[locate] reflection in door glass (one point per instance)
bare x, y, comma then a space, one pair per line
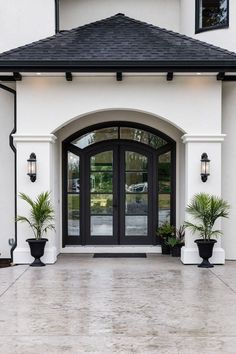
135, 161
101, 204
136, 182
142, 136
101, 225
136, 204
164, 172
96, 136
73, 214
101, 182
73, 183
164, 208
102, 162
136, 225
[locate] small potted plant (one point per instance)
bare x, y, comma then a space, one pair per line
40, 221
177, 241
164, 232
206, 209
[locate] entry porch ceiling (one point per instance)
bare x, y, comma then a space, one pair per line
118, 44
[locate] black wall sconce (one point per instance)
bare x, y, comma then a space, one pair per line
205, 167
32, 164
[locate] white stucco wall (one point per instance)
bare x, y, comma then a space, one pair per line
163, 13
25, 21
60, 107
228, 167
225, 38
195, 101
7, 172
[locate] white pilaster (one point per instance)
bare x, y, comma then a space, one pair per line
43, 147
195, 145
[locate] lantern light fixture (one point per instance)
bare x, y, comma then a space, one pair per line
205, 167
32, 167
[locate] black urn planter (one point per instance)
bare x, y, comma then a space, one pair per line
165, 249
205, 248
37, 250
176, 250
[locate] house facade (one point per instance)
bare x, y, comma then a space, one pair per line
117, 102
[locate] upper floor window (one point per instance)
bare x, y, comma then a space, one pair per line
211, 14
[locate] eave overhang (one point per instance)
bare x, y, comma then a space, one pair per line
118, 66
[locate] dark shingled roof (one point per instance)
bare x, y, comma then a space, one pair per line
118, 42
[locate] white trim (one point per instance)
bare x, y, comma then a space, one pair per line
191, 256
49, 138
218, 138
111, 249
22, 255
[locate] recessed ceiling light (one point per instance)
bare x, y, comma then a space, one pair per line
38, 74
199, 74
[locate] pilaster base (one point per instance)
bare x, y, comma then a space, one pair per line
23, 256
191, 256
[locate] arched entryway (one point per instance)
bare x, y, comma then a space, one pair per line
118, 184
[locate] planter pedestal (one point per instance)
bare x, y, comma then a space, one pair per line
37, 250
205, 252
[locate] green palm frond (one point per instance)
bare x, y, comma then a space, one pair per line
41, 214
206, 209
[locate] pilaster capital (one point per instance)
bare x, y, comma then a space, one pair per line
206, 138
47, 138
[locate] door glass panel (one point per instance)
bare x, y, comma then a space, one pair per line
96, 136
164, 187
136, 225
164, 202
73, 200
101, 182
101, 194
73, 208
136, 182
142, 136
73, 173
101, 203
136, 196
164, 172
101, 225
102, 162
136, 204
135, 161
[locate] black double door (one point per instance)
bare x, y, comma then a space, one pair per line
118, 195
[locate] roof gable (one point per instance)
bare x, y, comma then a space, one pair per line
118, 40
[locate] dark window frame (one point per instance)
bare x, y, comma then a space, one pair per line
199, 29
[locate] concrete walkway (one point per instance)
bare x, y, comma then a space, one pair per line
86, 305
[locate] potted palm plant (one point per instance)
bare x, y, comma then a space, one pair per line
40, 221
164, 232
206, 209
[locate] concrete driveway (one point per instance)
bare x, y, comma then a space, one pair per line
87, 305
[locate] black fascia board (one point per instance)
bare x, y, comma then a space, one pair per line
7, 78
118, 66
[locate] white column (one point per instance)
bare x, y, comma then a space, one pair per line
195, 145
42, 146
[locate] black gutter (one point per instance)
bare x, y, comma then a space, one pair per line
117, 66
8, 89
57, 17
7, 78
